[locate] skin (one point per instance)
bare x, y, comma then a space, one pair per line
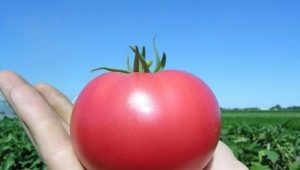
46, 112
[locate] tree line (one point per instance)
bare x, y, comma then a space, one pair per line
276, 107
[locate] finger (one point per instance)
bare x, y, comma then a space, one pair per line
59, 103
57, 100
54, 143
223, 150
209, 164
224, 159
44, 125
7, 78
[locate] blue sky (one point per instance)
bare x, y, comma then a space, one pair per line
248, 52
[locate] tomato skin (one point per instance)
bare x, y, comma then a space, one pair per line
165, 120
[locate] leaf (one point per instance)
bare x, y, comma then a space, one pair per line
271, 155
163, 61
8, 164
241, 139
294, 166
158, 62
110, 69
128, 65
140, 63
258, 166
16, 151
144, 64
136, 65
149, 63
144, 52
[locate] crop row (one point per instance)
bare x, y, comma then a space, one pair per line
259, 146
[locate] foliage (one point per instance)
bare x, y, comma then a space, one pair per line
264, 143
290, 119
16, 151
275, 108
264, 147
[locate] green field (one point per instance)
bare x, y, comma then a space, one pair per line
264, 140
289, 119
261, 140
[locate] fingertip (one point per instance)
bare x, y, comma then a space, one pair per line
46, 89
9, 76
8, 81
41, 86
56, 99
7, 73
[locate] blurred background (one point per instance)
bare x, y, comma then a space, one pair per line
248, 52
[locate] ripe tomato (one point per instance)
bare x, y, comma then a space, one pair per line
145, 121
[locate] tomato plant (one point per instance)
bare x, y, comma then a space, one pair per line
135, 119
264, 146
16, 151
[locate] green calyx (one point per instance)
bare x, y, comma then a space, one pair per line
140, 64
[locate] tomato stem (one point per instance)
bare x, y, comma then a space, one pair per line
128, 65
110, 69
140, 63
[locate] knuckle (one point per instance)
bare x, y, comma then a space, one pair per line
41, 86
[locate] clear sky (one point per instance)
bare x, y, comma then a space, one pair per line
248, 52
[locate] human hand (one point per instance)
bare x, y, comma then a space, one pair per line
224, 159
46, 112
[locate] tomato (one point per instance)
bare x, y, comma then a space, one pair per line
144, 121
